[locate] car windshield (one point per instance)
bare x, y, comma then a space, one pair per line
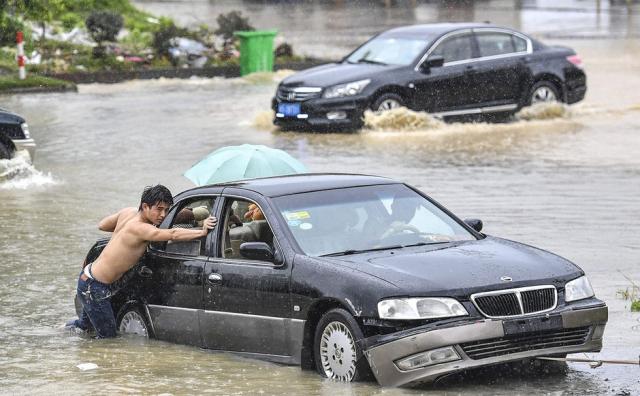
389, 51
352, 220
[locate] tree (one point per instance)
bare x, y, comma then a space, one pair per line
103, 26
232, 22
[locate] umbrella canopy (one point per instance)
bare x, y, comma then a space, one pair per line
243, 162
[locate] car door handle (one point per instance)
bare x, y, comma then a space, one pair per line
470, 69
145, 272
215, 279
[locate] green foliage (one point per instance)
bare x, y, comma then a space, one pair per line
635, 306
8, 27
104, 26
32, 81
232, 22
71, 20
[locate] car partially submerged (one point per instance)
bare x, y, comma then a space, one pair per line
14, 137
352, 275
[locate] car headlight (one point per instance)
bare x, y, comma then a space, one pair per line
349, 89
578, 289
420, 308
25, 130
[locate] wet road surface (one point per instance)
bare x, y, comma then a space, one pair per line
569, 184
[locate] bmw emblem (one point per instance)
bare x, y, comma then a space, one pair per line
506, 278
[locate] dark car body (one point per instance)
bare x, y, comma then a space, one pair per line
271, 307
14, 136
489, 77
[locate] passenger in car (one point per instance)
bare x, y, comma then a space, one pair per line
132, 231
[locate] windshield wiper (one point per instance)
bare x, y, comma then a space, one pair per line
373, 62
355, 251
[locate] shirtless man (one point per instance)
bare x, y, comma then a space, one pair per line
132, 229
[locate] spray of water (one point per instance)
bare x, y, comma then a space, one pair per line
18, 173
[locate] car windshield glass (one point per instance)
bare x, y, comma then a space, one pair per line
353, 220
389, 51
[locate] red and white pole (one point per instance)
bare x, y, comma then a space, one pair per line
22, 74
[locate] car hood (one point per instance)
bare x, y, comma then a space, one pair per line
336, 73
9, 117
463, 268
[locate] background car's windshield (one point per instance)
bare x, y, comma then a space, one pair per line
362, 218
389, 51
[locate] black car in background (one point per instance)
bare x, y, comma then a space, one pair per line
352, 274
14, 136
450, 69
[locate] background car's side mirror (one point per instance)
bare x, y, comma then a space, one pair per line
476, 224
432, 61
256, 251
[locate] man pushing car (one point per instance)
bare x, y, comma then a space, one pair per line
132, 229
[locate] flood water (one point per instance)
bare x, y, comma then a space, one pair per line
569, 184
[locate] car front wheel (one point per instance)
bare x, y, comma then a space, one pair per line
337, 354
133, 321
543, 91
387, 102
5, 153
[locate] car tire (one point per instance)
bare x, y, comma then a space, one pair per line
336, 351
543, 92
132, 320
387, 102
5, 153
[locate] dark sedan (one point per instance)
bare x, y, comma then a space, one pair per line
351, 275
453, 69
14, 137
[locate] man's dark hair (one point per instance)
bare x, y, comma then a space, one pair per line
152, 195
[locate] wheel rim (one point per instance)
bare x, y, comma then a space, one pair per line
543, 94
133, 323
388, 104
338, 352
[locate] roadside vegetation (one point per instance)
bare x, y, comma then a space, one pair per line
631, 294
85, 36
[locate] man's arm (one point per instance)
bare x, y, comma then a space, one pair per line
148, 232
109, 223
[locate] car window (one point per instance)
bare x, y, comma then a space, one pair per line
369, 217
455, 48
389, 51
189, 214
243, 221
494, 43
519, 43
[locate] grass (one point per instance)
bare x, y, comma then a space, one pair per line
632, 294
13, 83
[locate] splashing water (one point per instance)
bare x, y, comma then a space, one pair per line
401, 119
544, 111
264, 120
18, 173
267, 77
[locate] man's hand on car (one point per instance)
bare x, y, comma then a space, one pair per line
208, 224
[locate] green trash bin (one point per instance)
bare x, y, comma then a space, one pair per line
256, 51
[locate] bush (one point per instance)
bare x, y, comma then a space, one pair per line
70, 20
104, 26
9, 26
232, 22
164, 34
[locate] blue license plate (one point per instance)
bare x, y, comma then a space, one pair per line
289, 109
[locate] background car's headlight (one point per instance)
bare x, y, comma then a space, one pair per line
578, 289
350, 89
25, 130
420, 308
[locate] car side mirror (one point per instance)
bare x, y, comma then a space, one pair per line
256, 251
476, 224
432, 61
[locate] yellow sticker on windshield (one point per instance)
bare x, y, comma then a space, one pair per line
299, 215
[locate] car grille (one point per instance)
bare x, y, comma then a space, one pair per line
297, 94
14, 131
525, 342
516, 302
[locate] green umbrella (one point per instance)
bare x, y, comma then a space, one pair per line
247, 161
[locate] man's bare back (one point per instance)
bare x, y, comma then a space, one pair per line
132, 231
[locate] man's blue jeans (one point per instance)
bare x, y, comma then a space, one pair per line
96, 308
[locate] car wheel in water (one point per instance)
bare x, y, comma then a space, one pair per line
543, 92
5, 153
133, 321
387, 102
337, 354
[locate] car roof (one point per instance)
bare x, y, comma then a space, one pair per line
433, 29
295, 184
